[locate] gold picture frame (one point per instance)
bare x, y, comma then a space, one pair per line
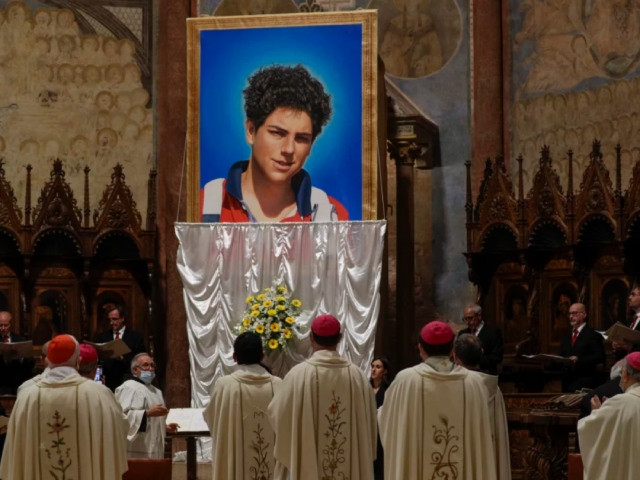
338, 48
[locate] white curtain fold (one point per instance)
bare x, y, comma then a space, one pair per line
332, 267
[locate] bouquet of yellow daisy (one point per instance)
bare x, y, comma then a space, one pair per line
272, 313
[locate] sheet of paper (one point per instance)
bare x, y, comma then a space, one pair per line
17, 350
113, 349
548, 356
621, 333
188, 419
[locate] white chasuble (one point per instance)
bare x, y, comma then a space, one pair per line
135, 397
242, 437
71, 429
324, 419
610, 438
499, 427
436, 423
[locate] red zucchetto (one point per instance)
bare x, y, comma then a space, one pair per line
436, 333
88, 354
325, 325
61, 349
633, 359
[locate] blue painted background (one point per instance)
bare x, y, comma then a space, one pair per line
332, 54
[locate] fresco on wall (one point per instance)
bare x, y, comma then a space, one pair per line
73, 96
575, 78
417, 37
255, 7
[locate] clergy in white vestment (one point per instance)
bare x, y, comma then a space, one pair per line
143, 405
610, 436
242, 436
65, 426
324, 414
435, 417
467, 352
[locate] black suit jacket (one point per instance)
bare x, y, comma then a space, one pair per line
492, 346
589, 349
16, 371
116, 370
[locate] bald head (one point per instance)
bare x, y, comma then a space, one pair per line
577, 315
5, 324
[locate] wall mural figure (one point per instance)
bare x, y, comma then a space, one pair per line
614, 303
56, 77
254, 7
516, 319
575, 78
563, 296
418, 36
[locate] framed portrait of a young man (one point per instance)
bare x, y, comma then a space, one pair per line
282, 117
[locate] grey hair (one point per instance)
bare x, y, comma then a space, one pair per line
468, 349
475, 308
631, 372
134, 360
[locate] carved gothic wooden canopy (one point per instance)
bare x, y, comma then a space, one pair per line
505, 224
57, 216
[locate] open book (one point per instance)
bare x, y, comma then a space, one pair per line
17, 350
621, 333
113, 349
548, 356
188, 419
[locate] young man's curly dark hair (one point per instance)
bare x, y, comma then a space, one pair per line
281, 86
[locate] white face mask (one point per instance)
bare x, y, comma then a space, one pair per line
147, 376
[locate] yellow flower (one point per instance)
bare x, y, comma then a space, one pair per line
261, 297
290, 320
260, 328
273, 344
296, 303
255, 313
249, 299
287, 333
275, 327
280, 299
282, 289
281, 307
246, 322
242, 329
267, 303
255, 306
271, 313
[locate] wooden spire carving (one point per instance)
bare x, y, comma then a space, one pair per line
117, 209
61, 209
10, 214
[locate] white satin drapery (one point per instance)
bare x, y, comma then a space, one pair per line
332, 267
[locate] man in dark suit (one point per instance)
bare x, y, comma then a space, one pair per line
621, 349
115, 369
583, 346
13, 371
490, 337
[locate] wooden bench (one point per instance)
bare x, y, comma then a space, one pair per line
148, 469
575, 467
